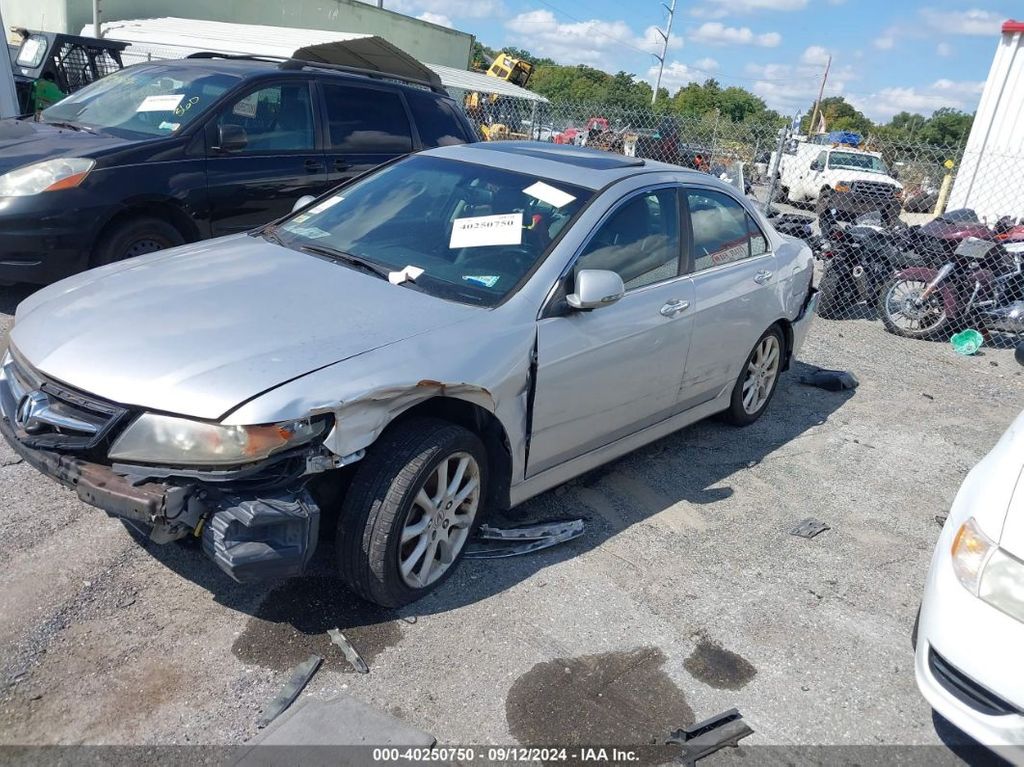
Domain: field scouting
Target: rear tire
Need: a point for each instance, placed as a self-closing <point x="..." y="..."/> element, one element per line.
<point x="934" y="322"/>
<point x="384" y="517"/>
<point x="836" y="294"/>
<point x="134" y="237"/>
<point x="758" y="379"/>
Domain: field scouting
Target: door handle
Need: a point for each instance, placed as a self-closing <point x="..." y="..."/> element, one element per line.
<point x="762" y="277"/>
<point x="313" y="165"/>
<point x="341" y="165"/>
<point x="672" y="308"/>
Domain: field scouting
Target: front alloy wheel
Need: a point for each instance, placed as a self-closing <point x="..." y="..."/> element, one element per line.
<point x="905" y="313"/>
<point x="413" y="504"/>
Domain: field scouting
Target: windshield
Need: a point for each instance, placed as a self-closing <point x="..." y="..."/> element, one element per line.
<point x="475" y="231"/>
<point x="144" y="100"/>
<point x="852" y="161"/>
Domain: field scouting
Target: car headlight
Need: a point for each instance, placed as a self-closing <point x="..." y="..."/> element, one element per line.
<point x="987" y="571"/>
<point x="46" y="176"/>
<point x="971" y="550"/>
<point x="164" y="439"/>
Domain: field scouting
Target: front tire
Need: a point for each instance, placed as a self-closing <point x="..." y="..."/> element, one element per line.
<point x="902" y="317"/>
<point x="757" y="380"/>
<point x="414" y="502"/>
<point x="836" y="295"/>
<point x="135" y="237"/>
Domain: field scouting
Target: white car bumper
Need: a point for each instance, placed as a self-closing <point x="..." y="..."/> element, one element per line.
<point x="969" y="662"/>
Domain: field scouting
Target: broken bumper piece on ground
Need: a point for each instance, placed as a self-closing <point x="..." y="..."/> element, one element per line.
<point x="496" y="542"/>
<point x="252" y="536"/>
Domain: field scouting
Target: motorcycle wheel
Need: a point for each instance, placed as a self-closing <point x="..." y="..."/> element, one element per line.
<point x="902" y="317"/>
<point x="836" y="294"/>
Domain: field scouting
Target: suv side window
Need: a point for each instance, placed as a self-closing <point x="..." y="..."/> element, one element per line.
<point x="640" y="241"/>
<point x="366" y="120"/>
<point x="723" y="231"/>
<point x="819" y="163"/>
<point x="276" y="118"/>
<point x="435" y="121"/>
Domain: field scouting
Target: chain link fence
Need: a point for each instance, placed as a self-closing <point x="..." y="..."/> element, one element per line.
<point x="923" y="240"/>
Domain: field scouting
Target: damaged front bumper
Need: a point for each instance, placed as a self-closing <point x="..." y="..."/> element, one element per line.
<point x="251" y="535"/>
<point x="802" y="323"/>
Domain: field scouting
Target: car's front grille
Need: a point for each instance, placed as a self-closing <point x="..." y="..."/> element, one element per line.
<point x="966" y="690"/>
<point x="874" y="189"/>
<point x="48" y="415"/>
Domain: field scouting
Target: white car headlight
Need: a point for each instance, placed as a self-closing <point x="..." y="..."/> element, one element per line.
<point x="164" y="439"/>
<point x="1002" y="584"/>
<point x="46" y="176"/>
<point x="987" y="571"/>
<point x="971" y="550"/>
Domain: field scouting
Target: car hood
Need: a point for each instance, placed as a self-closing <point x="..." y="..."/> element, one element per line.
<point x="23" y="142"/>
<point x="1012" y="536"/>
<point x="199" y="329"/>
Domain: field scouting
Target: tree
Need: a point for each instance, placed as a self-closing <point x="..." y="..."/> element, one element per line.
<point x="626" y="92"/>
<point x="738" y="103"/>
<point x="579" y="83"/>
<point x="839" y="115"/>
<point x="947" y="127"/>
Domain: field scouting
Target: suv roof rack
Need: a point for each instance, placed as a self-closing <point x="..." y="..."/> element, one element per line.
<point x="284" y="62"/>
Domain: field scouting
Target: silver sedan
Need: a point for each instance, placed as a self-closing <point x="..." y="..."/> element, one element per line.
<point x="453" y="333"/>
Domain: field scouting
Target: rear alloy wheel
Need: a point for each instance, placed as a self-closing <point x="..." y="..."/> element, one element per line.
<point x="757" y="380"/>
<point x="135" y="237"/>
<point x="412" y="506"/>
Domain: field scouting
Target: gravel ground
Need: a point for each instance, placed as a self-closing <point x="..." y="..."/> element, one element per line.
<point x="686" y="595"/>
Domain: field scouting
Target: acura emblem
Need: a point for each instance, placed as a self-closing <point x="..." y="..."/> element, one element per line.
<point x="31" y="405"/>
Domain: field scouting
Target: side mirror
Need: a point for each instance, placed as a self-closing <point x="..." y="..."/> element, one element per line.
<point x="815" y="166"/>
<point x="596" y="288"/>
<point x="231" y="138"/>
<point x="302" y="202"/>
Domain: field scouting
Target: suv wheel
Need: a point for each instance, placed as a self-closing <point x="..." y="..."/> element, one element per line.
<point x="758" y="379"/>
<point x="413" y="504"/>
<point x="135" y="238"/>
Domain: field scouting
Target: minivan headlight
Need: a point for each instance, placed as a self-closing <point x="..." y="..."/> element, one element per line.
<point x="164" y="439"/>
<point x="987" y="571"/>
<point x="45" y="176"/>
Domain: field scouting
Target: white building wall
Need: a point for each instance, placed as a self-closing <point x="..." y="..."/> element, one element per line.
<point x="990" y="178"/>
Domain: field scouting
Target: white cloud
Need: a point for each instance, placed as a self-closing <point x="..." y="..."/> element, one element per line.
<point x="788" y="87"/>
<point x="677" y="74"/>
<point x="815" y="55"/>
<point x="884" y="42"/>
<point x="971" y="22"/>
<point x="716" y="33"/>
<point x="944" y="49"/>
<point x="882" y="105"/>
<point x="586" y="42"/>
<point x="435" y="18"/>
<point x="747" y="6"/>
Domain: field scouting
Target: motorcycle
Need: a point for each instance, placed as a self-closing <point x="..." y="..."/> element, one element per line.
<point x="980" y="285"/>
<point x="858" y="260"/>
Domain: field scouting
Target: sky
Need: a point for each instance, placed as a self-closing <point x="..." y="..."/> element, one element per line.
<point x="887" y="55"/>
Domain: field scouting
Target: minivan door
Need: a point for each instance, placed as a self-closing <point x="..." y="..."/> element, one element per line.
<point x="733" y="273"/>
<point x="366" y="126"/>
<point x="262" y="156"/>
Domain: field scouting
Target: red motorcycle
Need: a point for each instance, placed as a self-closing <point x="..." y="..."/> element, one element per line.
<point x="980" y="284"/>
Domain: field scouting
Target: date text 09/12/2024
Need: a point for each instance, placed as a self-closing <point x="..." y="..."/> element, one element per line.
<point x="506" y="754"/>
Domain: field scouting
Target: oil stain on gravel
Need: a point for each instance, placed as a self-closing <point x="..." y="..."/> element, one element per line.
<point x="614" y="698"/>
<point x="292" y="623"/>
<point x="717" y="667"/>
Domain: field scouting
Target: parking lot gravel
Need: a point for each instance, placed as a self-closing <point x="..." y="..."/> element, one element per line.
<point x="686" y="596"/>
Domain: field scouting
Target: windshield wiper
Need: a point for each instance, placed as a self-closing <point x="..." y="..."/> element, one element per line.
<point x="349" y="258"/>
<point x="270" y="232"/>
<point x="70" y="125"/>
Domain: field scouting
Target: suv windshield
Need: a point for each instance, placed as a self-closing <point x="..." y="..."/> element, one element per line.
<point x="145" y="100"/>
<point x="475" y="231"/>
<point x="852" y="161"/>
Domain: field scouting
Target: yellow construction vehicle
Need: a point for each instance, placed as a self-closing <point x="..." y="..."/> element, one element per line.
<point x="483" y="108"/>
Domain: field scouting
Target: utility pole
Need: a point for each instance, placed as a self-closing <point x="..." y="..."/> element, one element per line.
<point x="96" y="31"/>
<point x="664" y="48"/>
<point x="8" y="95"/>
<point x="821" y="92"/>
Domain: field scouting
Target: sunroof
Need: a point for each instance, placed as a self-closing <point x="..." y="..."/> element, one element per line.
<point x="580" y="157"/>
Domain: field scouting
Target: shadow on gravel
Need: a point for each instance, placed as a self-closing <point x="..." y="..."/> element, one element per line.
<point x="290" y="618"/>
<point x="964" y="746"/>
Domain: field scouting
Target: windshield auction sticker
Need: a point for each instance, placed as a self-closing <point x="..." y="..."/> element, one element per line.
<point x="556" y="198"/>
<point x="160" y="103"/>
<point x="479" y="231"/>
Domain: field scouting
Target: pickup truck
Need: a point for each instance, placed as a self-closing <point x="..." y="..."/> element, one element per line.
<point x="846" y="179"/>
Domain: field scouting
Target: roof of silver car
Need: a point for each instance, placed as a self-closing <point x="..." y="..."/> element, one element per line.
<point x="580" y="166"/>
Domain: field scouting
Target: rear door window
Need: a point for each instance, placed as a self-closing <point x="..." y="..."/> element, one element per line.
<point x="723" y="232"/>
<point x="435" y="120"/>
<point x="366" y="120"/>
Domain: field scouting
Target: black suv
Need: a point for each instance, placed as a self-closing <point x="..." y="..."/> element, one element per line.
<point x="176" y="151"/>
